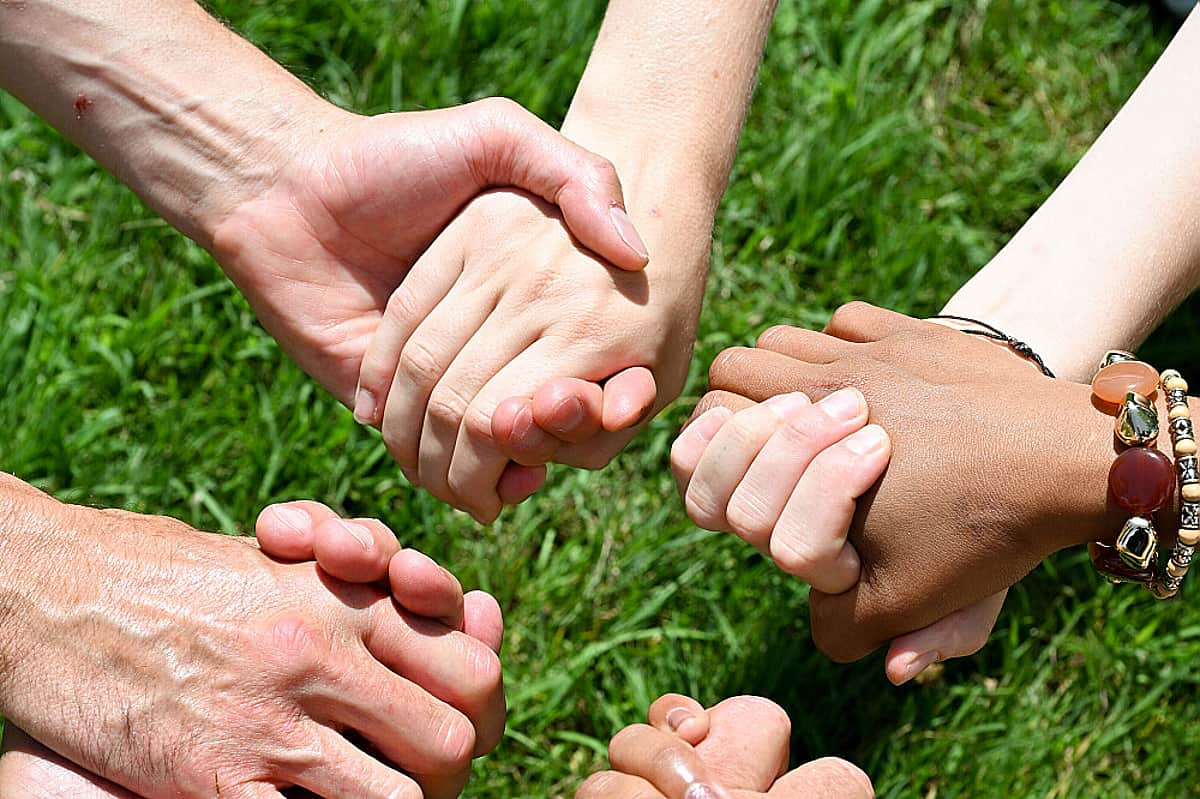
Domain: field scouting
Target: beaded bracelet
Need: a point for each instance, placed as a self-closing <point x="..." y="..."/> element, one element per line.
<point x="1183" y="442"/>
<point x="1142" y="479"/>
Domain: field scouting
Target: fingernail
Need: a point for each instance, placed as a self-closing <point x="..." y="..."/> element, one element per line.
<point x="702" y="790"/>
<point x="423" y="558"/>
<point x="788" y="404"/>
<point x="522" y="424"/>
<point x="867" y="441"/>
<point x="359" y="533"/>
<point x="364" y="407"/>
<point x="292" y="518"/>
<point x="845" y="405"/>
<point x="918" y="664"/>
<point x="574" y="415"/>
<point x="676" y="717"/>
<point x="628" y="232"/>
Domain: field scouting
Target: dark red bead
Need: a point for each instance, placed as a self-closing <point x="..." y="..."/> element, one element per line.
<point x="1141" y="480"/>
<point x="1108" y="562"/>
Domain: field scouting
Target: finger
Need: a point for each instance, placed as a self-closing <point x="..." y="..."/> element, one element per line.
<point x="728" y="456"/>
<point x="477" y="464"/>
<point x="615" y="785"/>
<point x="863" y="322"/>
<point x="518" y="149"/>
<point x="665" y="761"/>
<point x="809" y="540"/>
<point x="450" y="666"/>
<point x="761" y="374"/>
<point x="422" y="290"/>
<point x="748" y="742"/>
<point x="285" y="529"/>
<point x="345" y="770"/>
<point x="804" y="345"/>
<point x="718" y="399"/>
<point x="354" y="550"/>
<point x="482" y="619"/>
<point x="629" y="397"/>
<point x="459" y="458"/>
<point x="423" y="587"/>
<point x="692" y="442"/>
<point x="962" y="633"/>
<point x="598" y="452"/>
<point x="827" y="778"/>
<point x="409" y="726"/>
<point x="569" y="409"/>
<point x="518" y="483"/>
<point x="427" y="355"/>
<point x="779" y="469"/>
<point x="680" y="715"/>
<point x="518" y="435"/>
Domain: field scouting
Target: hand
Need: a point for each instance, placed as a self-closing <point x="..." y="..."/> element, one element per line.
<point x="980" y="489"/>
<point x="784" y="476"/>
<point x="735" y="750"/>
<point x="502" y="304"/>
<point x="304" y="531"/>
<point x="781" y="476"/>
<point x="210" y="667"/>
<point x="352" y="202"/>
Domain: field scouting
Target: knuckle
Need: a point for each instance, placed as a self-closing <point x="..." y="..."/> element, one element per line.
<point x="850" y="315"/>
<point x="418" y="365"/>
<point x="297" y="645"/>
<point x="447" y="405"/>
<point x="728" y="361"/>
<point x="749" y="516"/>
<point x="403" y="304"/>
<point x="456" y="743"/>
<point x="771" y="336"/>
<point x="795" y="555"/>
<point x="702" y="507"/>
<point x="477" y="422"/>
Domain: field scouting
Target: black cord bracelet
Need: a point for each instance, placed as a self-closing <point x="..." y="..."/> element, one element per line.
<point x="988" y="331"/>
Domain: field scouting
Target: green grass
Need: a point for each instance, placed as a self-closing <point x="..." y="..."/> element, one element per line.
<point x="891" y="150"/>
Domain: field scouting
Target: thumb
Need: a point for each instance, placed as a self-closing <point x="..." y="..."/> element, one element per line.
<point x="962" y="633"/>
<point x="515" y="148"/>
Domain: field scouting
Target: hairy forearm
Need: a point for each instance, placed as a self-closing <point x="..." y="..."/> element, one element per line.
<point x="183" y="110"/>
<point x="664" y="97"/>
<point x="1117" y="246"/>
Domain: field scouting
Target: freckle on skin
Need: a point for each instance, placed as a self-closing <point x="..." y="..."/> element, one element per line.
<point x="655" y="213"/>
<point x="83" y="104"/>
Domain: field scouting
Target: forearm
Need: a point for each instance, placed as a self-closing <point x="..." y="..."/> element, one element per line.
<point x="1117" y="246"/>
<point x="664" y="97"/>
<point x="183" y="110"/>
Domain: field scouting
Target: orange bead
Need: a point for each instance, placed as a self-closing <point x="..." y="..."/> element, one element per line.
<point x="1114" y="381"/>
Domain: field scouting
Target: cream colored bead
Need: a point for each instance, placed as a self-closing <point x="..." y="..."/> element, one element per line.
<point x="1175" y="570"/>
<point x="1175" y="384"/>
<point x="1169" y="374"/>
<point x="1190" y="537"/>
<point x="1178" y="412"/>
<point x="1185" y="446"/>
<point x="1191" y="492"/>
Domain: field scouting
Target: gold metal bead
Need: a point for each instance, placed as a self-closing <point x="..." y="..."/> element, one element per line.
<point x="1137" y="542"/>
<point x="1137" y="421"/>
<point x="1116" y="356"/>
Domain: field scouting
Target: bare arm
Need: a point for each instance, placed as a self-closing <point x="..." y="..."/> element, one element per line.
<point x="1117" y="246"/>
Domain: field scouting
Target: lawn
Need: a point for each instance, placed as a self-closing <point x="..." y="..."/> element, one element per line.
<point x="892" y="148"/>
